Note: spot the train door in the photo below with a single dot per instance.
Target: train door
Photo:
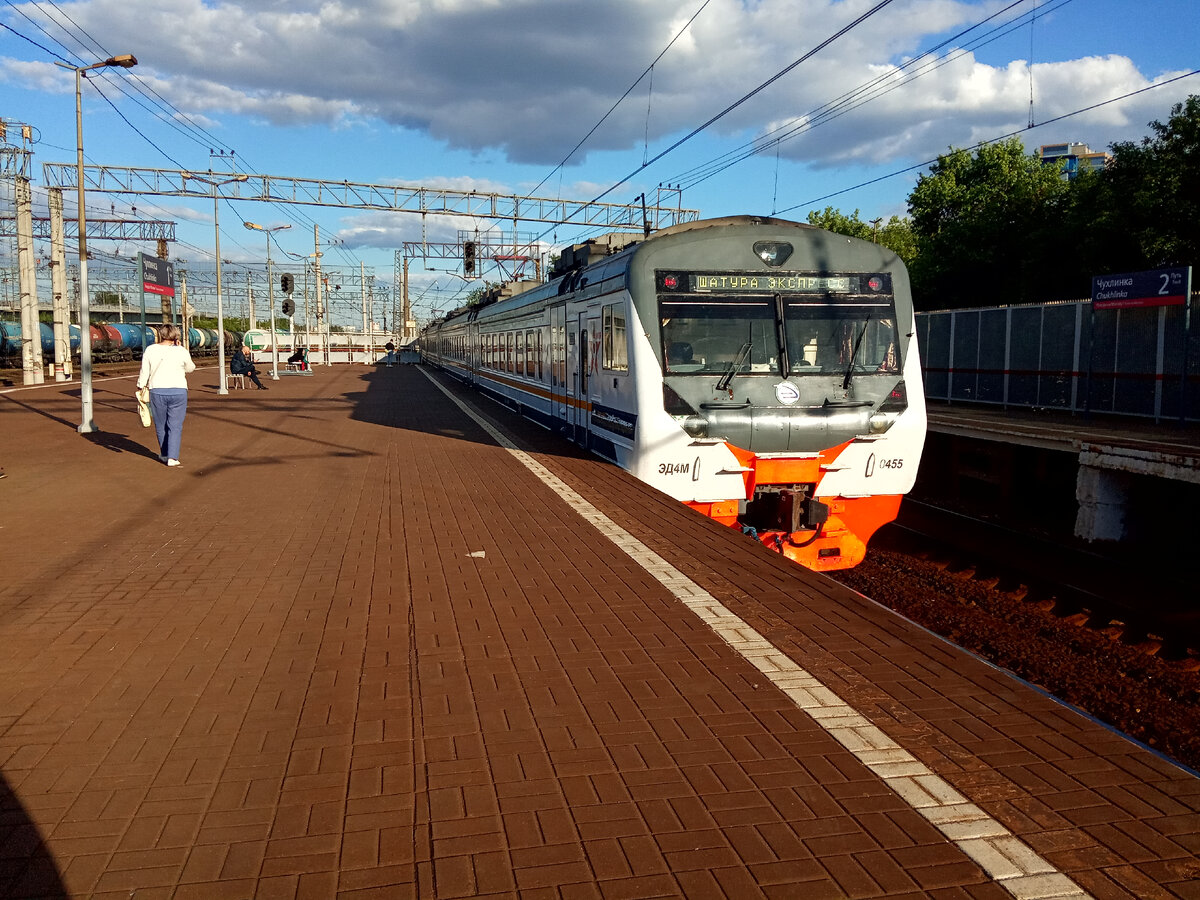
(579, 403)
(558, 362)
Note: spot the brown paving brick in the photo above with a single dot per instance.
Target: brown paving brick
(204, 864)
(536, 706)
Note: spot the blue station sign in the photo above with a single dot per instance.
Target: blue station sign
(1156, 287)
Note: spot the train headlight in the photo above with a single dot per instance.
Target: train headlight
(890, 409)
(773, 253)
(881, 422)
(696, 426)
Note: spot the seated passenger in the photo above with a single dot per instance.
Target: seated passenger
(301, 357)
(243, 365)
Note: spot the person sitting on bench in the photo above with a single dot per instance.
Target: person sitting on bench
(300, 357)
(242, 365)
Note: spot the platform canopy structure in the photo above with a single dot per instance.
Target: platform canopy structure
(358, 195)
(643, 216)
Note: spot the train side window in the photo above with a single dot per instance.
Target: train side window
(539, 352)
(530, 366)
(508, 355)
(616, 352)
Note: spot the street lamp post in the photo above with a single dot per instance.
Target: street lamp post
(270, 294)
(86, 425)
(222, 381)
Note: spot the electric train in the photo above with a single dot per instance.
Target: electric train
(761, 371)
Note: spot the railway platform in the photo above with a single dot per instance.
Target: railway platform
(1118, 478)
(377, 638)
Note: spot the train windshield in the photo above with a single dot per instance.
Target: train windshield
(843, 324)
(708, 337)
(824, 337)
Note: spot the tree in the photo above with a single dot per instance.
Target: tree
(896, 234)
(987, 226)
(1143, 212)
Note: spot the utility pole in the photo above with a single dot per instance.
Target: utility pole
(58, 287)
(406, 310)
(362, 287)
(31, 326)
(317, 272)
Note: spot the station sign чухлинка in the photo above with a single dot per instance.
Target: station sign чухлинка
(158, 275)
(1156, 287)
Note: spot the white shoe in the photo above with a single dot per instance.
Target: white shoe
(172, 462)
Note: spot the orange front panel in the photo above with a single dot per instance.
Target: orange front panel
(851, 524)
(724, 511)
(787, 471)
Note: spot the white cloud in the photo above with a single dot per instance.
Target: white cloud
(528, 78)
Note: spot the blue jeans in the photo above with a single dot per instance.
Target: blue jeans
(168, 406)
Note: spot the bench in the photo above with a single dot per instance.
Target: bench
(237, 381)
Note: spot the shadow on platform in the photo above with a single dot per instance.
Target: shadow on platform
(27, 869)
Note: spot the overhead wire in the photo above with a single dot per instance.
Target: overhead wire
(734, 105)
(873, 89)
(171, 115)
(171, 120)
(621, 99)
(992, 140)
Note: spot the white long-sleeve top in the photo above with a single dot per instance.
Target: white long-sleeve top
(165, 366)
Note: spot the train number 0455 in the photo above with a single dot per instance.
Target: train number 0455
(891, 464)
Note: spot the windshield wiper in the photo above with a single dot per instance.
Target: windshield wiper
(734, 367)
(854, 356)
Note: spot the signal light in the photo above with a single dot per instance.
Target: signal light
(468, 257)
(287, 282)
(288, 306)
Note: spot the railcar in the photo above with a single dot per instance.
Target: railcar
(109, 340)
(764, 372)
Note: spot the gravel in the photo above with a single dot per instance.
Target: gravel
(1151, 699)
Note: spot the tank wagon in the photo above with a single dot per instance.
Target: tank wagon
(110, 340)
(763, 372)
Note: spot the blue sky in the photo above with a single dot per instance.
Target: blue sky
(492, 94)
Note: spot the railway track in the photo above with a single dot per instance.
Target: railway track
(1094, 631)
(1125, 593)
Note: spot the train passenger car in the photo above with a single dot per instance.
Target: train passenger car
(763, 372)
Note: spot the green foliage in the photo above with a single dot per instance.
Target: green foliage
(479, 294)
(986, 226)
(1144, 211)
(896, 233)
(997, 226)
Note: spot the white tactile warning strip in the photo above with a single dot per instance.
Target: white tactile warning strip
(993, 847)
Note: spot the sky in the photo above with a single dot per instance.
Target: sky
(846, 101)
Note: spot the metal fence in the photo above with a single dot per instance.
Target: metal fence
(1135, 361)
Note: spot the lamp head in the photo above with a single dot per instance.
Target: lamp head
(125, 61)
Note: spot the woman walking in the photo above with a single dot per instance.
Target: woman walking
(165, 366)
